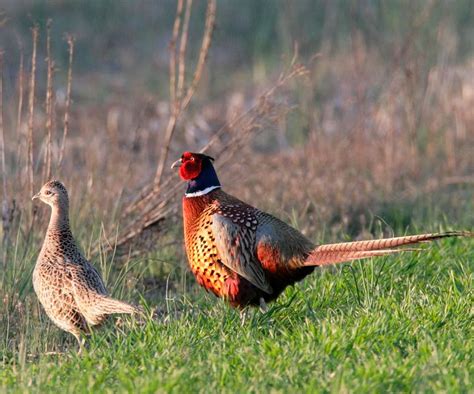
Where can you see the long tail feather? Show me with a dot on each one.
(347, 251)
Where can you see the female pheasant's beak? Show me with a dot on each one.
(36, 196)
(177, 163)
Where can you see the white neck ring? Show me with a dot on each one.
(202, 192)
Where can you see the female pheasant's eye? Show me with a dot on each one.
(48, 192)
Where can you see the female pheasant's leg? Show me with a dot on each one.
(80, 341)
(243, 316)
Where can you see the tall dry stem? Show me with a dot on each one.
(19, 115)
(203, 53)
(150, 192)
(174, 99)
(5, 210)
(180, 103)
(70, 43)
(2, 136)
(21, 89)
(182, 49)
(172, 48)
(31, 111)
(49, 101)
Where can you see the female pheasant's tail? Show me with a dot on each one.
(109, 305)
(347, 251)
(96, 312)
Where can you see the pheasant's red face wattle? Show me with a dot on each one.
(191, 165)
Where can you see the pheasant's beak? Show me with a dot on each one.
(36, 196)
(177, 163)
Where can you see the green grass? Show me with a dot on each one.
(400, 323)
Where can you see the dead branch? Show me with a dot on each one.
(176, 105)
(6, 211)
(179, 105)
(172, 48)
(203, 53)
(20, 92)
(70, 43)
(182, 49)
(2, 146)
(19, 116)
(49, 101)
(2, 136)
(31, 108)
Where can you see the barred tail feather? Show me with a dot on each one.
(347, 251)
(109, 305)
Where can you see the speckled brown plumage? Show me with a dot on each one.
(68, 287)
(248, 256)
(239, 252)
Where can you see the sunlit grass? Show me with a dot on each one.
(400, 323)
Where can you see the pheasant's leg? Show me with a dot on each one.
(243, 316)
(263, 305)
(80, 341)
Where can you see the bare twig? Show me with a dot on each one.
(2, 136)
(172, 47)
(70, 43)
(19, 117)
(20, 92)
(180, 104)
(5, 219)
(31, 108)
(174, 100)
(203, 53)
(177, 106)
(49, 101)
(5, 211)
(182, 49)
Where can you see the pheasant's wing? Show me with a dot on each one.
(235, 240)
(91, 296)
(53, 288)
(87, 285)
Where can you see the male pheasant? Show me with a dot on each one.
(67, 285)
(247, 256)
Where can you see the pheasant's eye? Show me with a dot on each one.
(191, 158)
(48, 192)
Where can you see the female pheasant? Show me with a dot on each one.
(247, 256)
(67, 285)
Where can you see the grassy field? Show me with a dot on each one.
(393, 324)
(398, 324)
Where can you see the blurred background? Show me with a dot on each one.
(373, 134)
(385, 112)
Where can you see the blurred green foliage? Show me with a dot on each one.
(110, 32)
